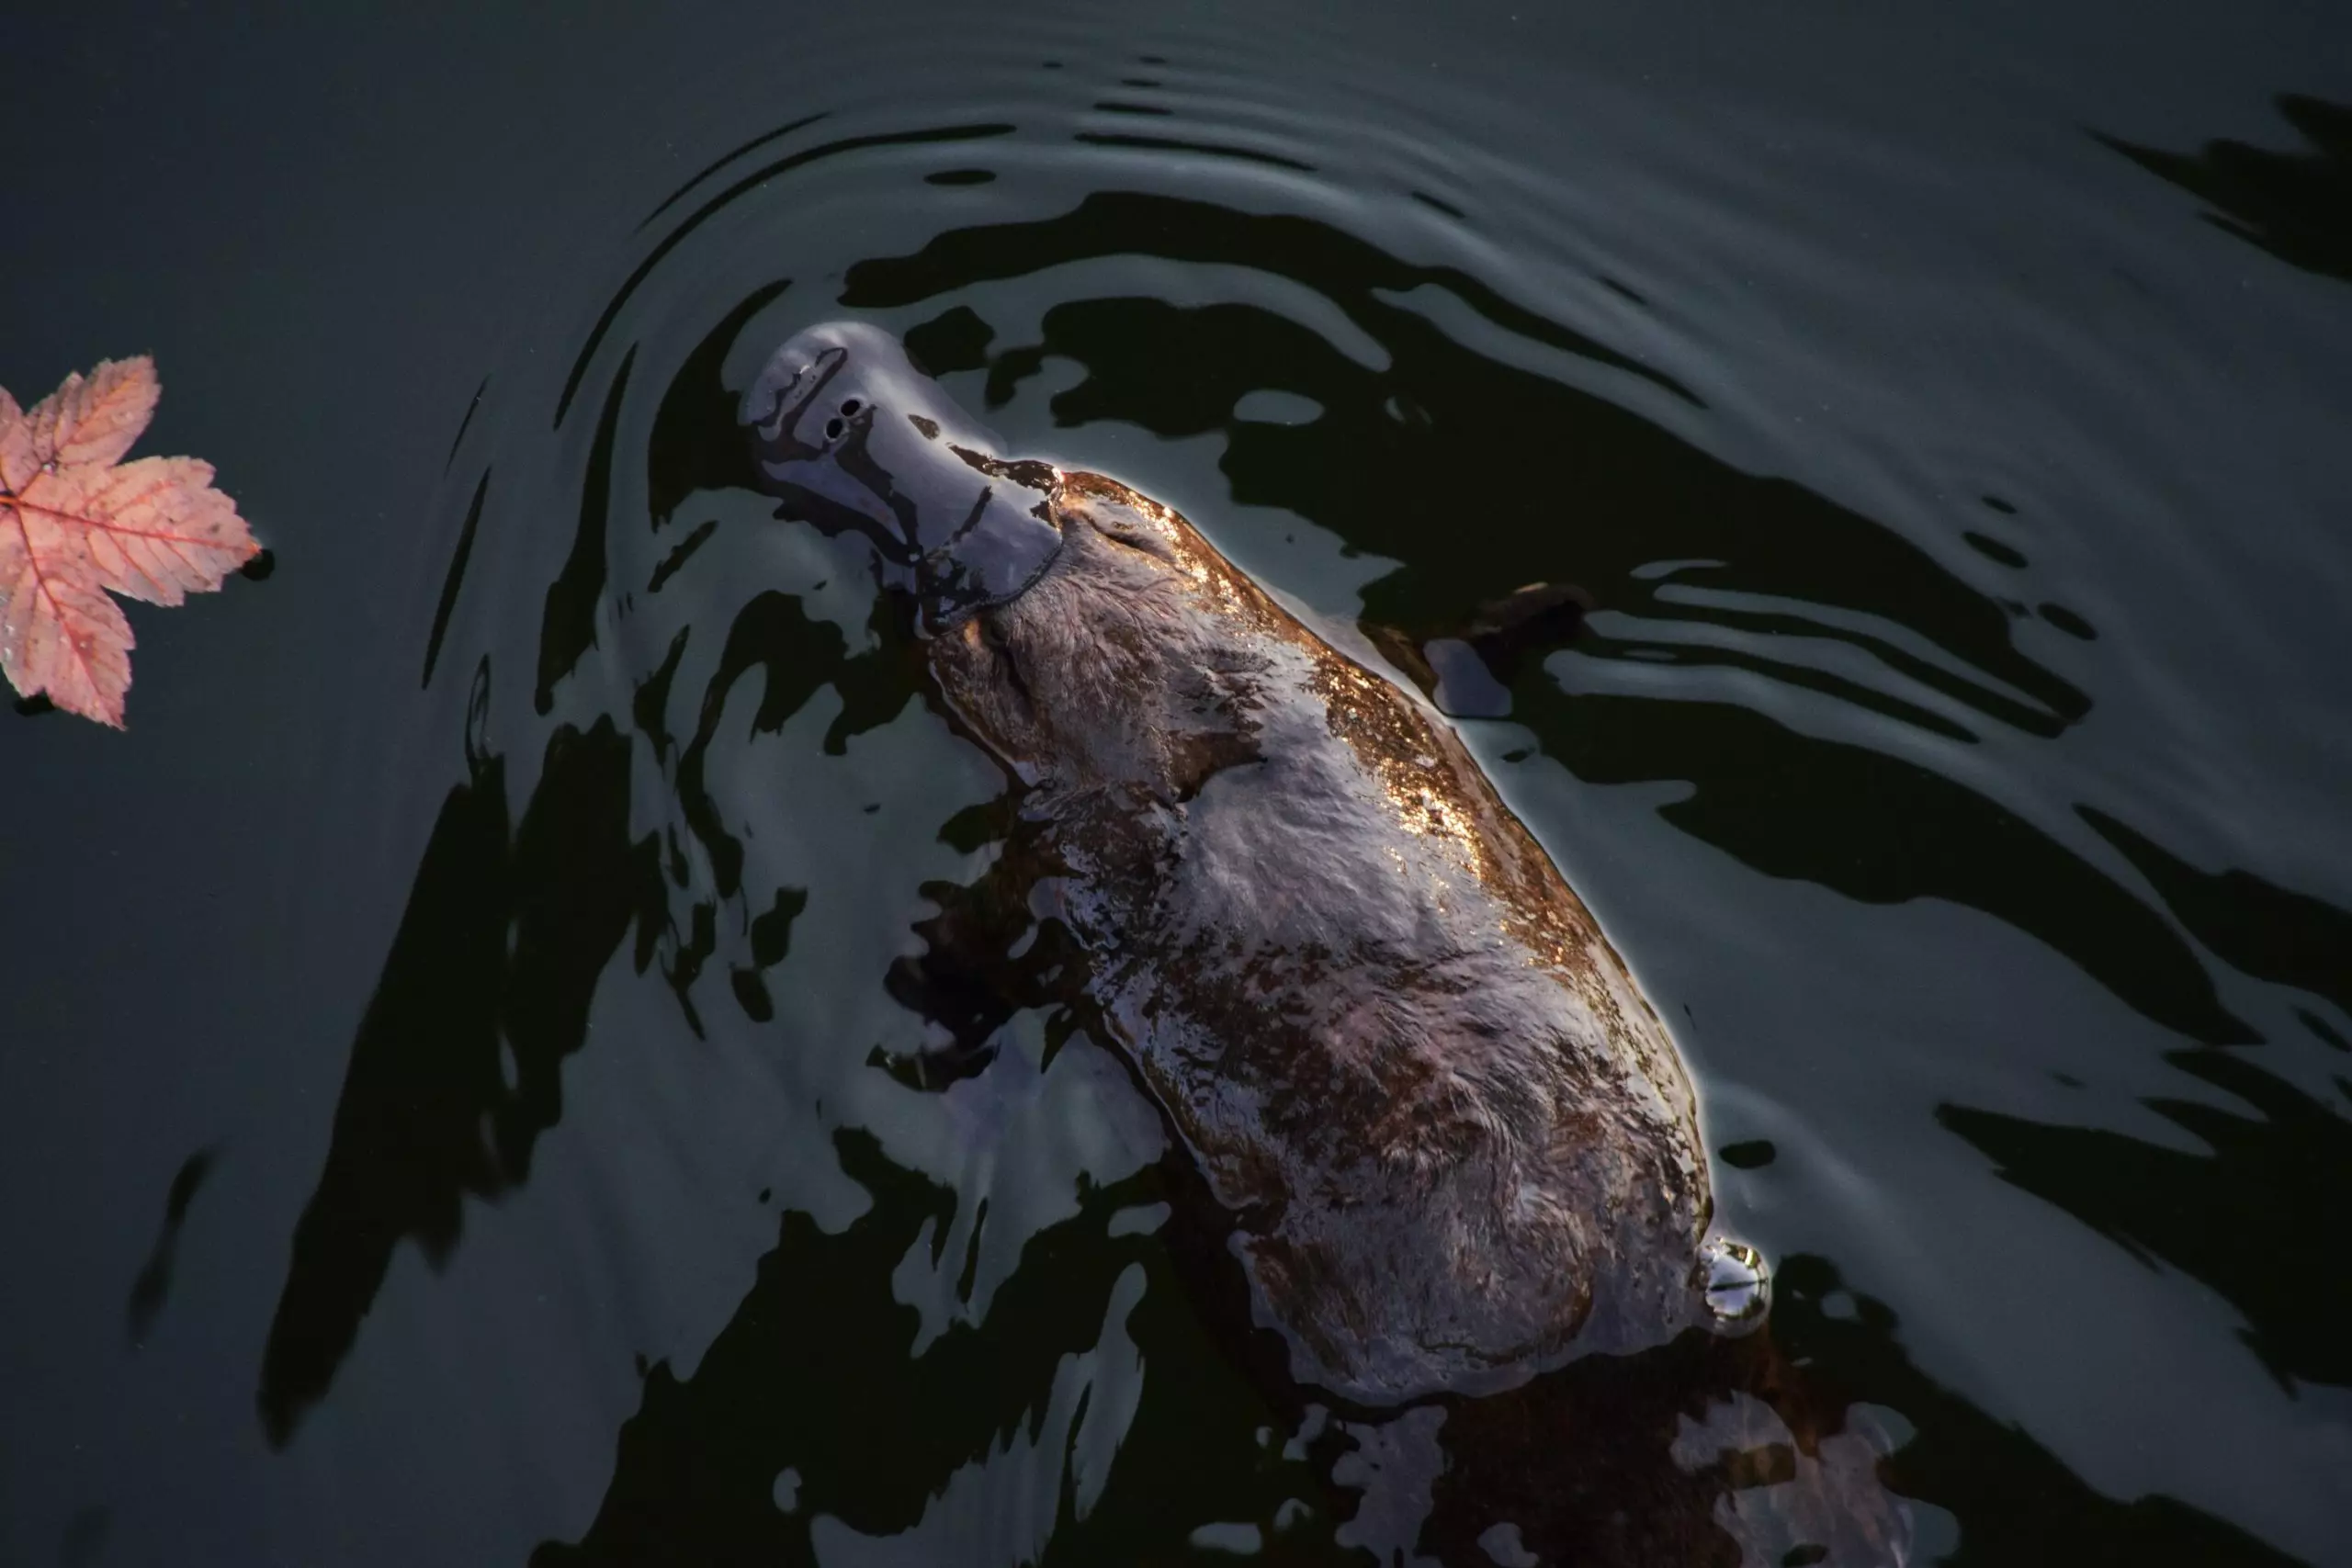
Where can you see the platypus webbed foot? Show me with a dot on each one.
(1467, 669)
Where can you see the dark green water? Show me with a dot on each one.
(452, 1067)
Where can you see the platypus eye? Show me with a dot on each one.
(1123, 526)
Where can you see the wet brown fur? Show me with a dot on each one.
(1458, 1143)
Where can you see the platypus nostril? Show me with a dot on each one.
(1738, 1284)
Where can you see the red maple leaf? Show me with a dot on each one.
(76, 523)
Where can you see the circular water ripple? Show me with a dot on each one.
(1397, 353)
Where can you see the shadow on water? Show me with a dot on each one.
(799, 657)
(2249, 1214)
(1453, 429)
(1758, 1419)
(814, 1419)
(569, 627)
(153, 1285)
(1882, 830)
(1410, 460)
(2297, 205)
(822, 1412)
(457, 1066)
(2271, 933)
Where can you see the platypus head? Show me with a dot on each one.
(851, 437)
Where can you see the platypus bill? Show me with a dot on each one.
(1455, 1142)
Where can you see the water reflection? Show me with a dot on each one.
(1830, 1446)
(2247, 1213)
(995, 1361)
(820, 1374)
(1612, 495)
(2256, 927)
(456, 1068)
(153, 1286)
(744, 184)
(568, 626)
(2241, 1212)
(1882, 829)
(2295, 204)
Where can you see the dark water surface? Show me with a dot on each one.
(465, 1095)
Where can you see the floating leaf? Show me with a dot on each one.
(77, 523)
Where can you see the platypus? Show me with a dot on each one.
(1455, 1142)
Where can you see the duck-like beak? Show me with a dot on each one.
(851, 437)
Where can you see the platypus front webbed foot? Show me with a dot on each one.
(1468, 669)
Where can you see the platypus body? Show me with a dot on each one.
(1454, 1140)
